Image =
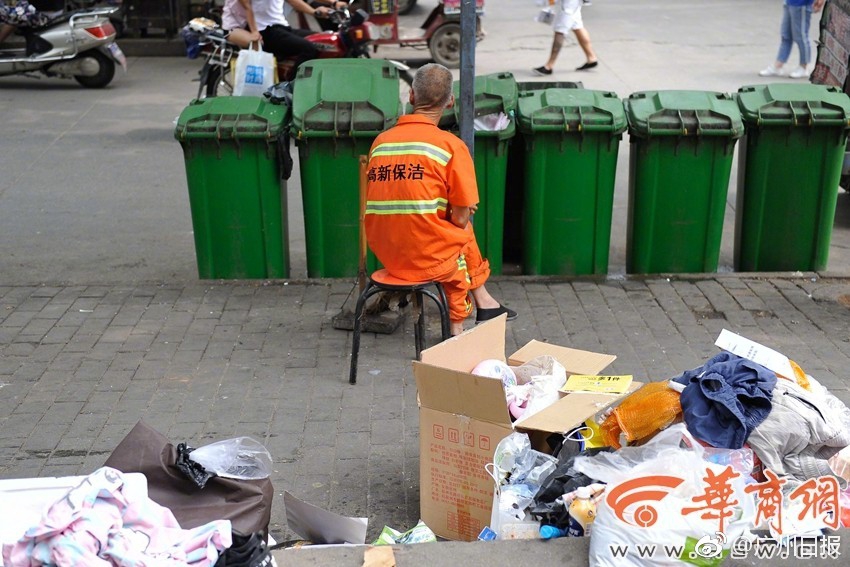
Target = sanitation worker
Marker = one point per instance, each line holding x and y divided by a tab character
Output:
421	195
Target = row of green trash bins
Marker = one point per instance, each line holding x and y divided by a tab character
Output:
546	180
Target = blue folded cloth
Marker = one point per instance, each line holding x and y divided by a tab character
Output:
725	399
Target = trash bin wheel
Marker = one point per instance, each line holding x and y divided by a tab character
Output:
445	45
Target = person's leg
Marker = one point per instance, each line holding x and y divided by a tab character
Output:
5	31
240	37
557	44
786	38
285	42
584	42
456	285
801	17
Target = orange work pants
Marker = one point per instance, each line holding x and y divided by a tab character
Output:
470	273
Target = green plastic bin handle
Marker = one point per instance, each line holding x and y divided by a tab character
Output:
565	126
699	117
335	131
811	120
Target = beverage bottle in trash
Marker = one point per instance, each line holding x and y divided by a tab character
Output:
551	532
582	513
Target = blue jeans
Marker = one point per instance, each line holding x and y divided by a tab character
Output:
795	29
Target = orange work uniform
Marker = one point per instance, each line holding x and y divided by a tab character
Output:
417	172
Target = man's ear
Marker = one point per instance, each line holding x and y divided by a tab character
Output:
451	101
410	98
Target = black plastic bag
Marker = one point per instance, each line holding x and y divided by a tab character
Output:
197	473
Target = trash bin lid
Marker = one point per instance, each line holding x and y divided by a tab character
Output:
492	94
794	105
345	98
683	113
527	86
570	110
228	117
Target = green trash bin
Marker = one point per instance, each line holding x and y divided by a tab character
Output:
515	184
494	94
238	200
789	169
572	140
339	107
681	148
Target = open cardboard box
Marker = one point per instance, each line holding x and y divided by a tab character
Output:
462	417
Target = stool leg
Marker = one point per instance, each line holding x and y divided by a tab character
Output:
355	340
444	312
419	325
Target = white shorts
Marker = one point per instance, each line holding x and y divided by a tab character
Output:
568	18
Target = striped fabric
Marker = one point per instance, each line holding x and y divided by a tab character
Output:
427	207
429	151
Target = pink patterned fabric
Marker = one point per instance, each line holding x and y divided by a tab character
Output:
102	523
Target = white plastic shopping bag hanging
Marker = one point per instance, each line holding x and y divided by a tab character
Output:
254	72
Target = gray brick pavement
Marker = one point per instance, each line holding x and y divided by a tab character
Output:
79	365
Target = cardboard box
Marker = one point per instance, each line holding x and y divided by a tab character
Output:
462	417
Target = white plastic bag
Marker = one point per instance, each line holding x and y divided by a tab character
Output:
254	72
644	524
240	458
538	382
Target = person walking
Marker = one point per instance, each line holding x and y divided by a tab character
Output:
796	20
568	18
420	196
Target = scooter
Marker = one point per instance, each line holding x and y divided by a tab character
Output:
79	45
351	39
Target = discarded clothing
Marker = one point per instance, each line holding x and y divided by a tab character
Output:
804	429
22	14
101	523
725	399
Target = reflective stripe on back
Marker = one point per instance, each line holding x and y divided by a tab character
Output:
413	207
429	151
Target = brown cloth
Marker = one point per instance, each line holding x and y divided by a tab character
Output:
246	503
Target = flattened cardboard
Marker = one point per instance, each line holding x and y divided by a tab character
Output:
462	393
466	350
571	411
574	361
443	378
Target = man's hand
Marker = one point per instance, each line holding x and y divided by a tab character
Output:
816	7
322	12
255	37
459	216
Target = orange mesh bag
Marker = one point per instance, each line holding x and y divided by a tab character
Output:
651	408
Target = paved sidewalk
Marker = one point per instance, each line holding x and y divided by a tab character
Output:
80	365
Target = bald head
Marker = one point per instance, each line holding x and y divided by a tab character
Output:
432	87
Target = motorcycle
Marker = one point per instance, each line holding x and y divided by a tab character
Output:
351	39
79	45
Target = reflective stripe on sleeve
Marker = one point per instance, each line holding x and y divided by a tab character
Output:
429	151
431	206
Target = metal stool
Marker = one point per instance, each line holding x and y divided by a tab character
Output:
381	280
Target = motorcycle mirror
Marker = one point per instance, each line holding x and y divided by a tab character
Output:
359	17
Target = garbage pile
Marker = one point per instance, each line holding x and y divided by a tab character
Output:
746	450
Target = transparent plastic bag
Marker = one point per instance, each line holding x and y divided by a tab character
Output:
241	458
